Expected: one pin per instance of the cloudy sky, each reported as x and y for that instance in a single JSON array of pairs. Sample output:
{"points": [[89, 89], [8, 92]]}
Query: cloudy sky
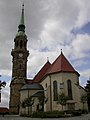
{"points": [[51, 25]]}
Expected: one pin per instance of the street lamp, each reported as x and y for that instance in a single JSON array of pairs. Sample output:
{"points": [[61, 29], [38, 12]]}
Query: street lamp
{"points": [[2, 84]]}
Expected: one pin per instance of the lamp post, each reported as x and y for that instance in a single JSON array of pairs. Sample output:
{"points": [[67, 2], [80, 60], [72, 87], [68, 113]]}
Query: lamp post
{"points": [[2, 84]]}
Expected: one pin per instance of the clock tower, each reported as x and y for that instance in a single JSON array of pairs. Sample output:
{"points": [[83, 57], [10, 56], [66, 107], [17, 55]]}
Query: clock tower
{"points": [[19, 65]]}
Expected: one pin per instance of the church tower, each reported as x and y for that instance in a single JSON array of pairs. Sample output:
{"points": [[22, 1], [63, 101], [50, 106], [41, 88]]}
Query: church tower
{"points": [[19, 65]]}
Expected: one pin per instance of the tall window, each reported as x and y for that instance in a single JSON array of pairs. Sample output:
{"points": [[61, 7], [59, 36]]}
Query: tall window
{"points": [[46, 85], [55, 93], [69, 87], [21, 44], [20, 66], [24, 44], [16, 43]]}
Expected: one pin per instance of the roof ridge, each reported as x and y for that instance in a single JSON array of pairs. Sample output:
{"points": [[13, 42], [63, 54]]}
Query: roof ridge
{"points": [[42, 72]]}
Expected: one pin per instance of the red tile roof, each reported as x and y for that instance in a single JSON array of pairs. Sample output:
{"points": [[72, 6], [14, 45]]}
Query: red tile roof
{"points": [[42, 72], [29, 81], [4, 110], [61, 64]]}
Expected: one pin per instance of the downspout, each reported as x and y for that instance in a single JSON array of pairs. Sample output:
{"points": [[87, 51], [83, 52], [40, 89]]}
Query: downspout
{"points": [[50, 94]]}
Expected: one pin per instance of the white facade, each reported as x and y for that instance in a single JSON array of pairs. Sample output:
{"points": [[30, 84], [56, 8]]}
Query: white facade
{"points": [[61, 79]]}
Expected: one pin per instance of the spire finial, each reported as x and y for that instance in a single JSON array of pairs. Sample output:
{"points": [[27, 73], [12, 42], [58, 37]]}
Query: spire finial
{"points": [[23, 5], [61, 51], [22, 15], [47, 59]]}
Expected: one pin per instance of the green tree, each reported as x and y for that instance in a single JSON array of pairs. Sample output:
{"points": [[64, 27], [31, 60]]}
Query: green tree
{"points": [[87, 87], [28, 102], [42, 99], [83, 100], [2, 84], [62, 99]]}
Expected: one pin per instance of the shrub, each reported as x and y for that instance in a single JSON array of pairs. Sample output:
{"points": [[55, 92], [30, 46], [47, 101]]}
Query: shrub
{"points": [[54, 114], [84, 111], [73, 112], [38, 115], [76, 113]]}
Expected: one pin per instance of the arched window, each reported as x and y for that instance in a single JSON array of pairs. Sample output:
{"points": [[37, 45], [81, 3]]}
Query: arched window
{"points": [[24, 44], [21, 44], [69, 88], [16, 44], [46, 85], [55, 93], [20, 66]]}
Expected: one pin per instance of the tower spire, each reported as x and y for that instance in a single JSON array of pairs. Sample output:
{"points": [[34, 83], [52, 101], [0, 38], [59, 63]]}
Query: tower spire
{"points": [[21, 26], [22, 15]]}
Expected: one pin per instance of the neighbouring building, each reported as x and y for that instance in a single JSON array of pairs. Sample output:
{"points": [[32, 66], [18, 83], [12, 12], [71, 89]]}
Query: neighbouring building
{"points": [[4, 111], [53, 79]]}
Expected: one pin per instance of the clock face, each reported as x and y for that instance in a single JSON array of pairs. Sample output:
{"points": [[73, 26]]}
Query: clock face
{"points": [[20, 55]]}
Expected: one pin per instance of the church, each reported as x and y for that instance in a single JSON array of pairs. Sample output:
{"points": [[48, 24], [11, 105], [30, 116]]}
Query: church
{"points": [[52, 80]]}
